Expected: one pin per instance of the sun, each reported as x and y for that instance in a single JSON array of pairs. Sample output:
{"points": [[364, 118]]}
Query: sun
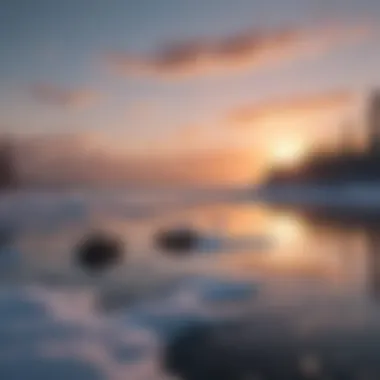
{"points": [[288, 153]]}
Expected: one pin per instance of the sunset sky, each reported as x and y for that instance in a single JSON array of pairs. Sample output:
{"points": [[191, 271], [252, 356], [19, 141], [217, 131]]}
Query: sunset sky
{"points": [[257, 82]]}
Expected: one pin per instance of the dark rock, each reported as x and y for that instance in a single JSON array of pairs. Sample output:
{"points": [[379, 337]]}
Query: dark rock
{"points": [[197, 355], [270, 348], [204, 353], [99, 251], [177, 240]]}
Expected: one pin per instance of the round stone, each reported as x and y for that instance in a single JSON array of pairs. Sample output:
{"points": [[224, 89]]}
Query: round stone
{"points": [[99, 251], [177, 240]]}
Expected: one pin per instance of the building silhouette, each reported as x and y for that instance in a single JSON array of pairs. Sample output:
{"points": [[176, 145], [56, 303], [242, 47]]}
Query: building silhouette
{"points": [[347, 164], [7, 167], [347, 136], [373, 123]]}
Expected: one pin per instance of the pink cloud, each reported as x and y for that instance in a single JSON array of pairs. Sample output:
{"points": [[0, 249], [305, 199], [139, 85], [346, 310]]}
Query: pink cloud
{"points": [[297, 105], [54, 95], [246, 51]]}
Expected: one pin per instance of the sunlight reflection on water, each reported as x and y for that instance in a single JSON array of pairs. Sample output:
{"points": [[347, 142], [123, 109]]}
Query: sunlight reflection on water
{"points": [[317, 274]]}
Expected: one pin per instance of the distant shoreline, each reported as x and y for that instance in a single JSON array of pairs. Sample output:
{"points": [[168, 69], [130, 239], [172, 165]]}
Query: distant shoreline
{"points": [[347, 195]]}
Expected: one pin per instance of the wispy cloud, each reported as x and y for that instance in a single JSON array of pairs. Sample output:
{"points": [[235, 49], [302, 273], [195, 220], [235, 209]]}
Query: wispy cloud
{"points": [[57, 96], [299, 105], [248, 50]]}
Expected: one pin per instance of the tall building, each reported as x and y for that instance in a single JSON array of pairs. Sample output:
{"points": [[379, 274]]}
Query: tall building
{"points": [[347, 137], [374, 123], [7, 169]]}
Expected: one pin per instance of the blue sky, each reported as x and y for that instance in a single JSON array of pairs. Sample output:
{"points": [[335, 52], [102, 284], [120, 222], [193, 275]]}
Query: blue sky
{"points": [[65, 46]]}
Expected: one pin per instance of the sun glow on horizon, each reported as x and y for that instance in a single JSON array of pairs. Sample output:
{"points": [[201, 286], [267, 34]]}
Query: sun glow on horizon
{"points": [[288, 153]]}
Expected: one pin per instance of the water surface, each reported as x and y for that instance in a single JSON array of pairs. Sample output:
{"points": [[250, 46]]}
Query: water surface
{"points": [[312, 277]]}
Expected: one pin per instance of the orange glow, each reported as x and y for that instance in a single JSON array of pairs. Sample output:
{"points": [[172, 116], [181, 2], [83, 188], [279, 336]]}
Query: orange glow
{"points": [[288, 153]]}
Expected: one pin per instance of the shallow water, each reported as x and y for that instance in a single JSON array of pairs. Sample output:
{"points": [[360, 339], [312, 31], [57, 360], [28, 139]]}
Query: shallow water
{"points": [[307, 277]]}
